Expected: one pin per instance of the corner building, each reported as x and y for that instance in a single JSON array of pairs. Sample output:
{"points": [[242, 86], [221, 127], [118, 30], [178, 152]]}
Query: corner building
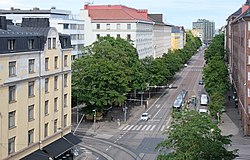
{"points": [[35, 88]]}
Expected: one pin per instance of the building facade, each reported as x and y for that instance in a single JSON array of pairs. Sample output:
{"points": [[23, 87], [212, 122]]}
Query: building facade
{"points": [[62, 20], [35, 87], [207, 27], [175, 38], [238, 50], [119, 21], [161, 35]]}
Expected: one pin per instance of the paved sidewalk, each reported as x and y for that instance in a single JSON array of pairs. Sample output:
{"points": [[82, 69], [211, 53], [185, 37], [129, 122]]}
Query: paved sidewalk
{"points": [[231, 125]]}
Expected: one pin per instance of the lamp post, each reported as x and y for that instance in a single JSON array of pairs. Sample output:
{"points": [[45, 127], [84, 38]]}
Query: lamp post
{"points": [[94, 120], [141, 93], [125, 112]]}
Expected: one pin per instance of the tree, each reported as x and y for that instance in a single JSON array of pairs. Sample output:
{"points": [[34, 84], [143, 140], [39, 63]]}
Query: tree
{"points": [[193, 136]]}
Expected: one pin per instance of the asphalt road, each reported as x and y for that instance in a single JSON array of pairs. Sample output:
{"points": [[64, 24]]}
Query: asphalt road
{"points": [[138, 139]]}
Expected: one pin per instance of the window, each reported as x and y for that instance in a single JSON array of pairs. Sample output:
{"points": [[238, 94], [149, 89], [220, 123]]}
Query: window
{"points": [[31, 89], [98, 26], [81, 37], [31, 66], [12, 69], [81, 26], [30, 136], [31, 113], [56, 62], [65, 80], [55, 82], [108, 35], [65, 100], [249, 60], [65, 60], [49, 43], [54, 43], [31, 44], [65, 42], [12, 94], [11, 145], [128, 26], [12, 119], [249, 76], [128, 37], [55, 125], [11, 44], [46, 108], [46, 85], [108, 26], [65, 120], [55, 104], [118, 36], [46, 64], [118, 26], [73, 36], [72, 26], [248, 92], [46, 130], [97, 36], [65, 26]]}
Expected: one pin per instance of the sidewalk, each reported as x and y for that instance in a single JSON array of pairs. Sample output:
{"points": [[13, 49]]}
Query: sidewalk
{"points": [[231, 125]]}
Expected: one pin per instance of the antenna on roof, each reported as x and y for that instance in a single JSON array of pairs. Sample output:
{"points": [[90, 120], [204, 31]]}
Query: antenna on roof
{"points": [[89, 2]]}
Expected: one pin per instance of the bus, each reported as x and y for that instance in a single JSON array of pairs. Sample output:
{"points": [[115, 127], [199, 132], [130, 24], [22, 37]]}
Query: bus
{"points": [[180, 100]]}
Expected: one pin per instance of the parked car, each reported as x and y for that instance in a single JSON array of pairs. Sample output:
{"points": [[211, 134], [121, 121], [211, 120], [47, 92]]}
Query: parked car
{"points": [[201, 82], [144, 116], [203, 110], [185, 65]]}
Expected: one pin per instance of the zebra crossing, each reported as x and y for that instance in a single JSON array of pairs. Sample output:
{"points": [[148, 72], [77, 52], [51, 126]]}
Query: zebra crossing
{"points": [[193, 69], [149, 128]]}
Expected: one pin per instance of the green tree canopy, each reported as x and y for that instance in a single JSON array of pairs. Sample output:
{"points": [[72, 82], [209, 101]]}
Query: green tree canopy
{"points": [[193, 136]]}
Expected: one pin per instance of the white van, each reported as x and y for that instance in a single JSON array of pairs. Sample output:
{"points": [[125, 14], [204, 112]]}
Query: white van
{"points": [[204, 100]]}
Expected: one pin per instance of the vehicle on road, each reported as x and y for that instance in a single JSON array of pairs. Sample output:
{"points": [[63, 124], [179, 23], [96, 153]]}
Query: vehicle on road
{"points": [[185, 65], [203, 110], [180, 100], [201, 82], [193, 102], [144, 116], [204, 100]]}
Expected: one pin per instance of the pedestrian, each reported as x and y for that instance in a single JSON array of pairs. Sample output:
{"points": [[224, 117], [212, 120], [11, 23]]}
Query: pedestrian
{"points": [[112, 118], [229, 97]]}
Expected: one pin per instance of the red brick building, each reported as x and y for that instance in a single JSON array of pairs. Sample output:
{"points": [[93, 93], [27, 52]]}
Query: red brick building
{"points": [[238, 49]]}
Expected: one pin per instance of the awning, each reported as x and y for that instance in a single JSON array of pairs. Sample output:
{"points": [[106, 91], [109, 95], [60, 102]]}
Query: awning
{"points": [[37, 155], [54, 149], [61, 145]]}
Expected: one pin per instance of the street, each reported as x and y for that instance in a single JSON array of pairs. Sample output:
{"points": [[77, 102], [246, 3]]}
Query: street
{"points": [[137, 139]]}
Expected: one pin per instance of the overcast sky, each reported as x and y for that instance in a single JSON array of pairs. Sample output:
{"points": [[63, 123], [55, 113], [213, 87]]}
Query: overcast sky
{"points": [[177, 12]]}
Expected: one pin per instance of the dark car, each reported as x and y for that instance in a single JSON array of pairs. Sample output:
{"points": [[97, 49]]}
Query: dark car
{"points": [[201, 82]]}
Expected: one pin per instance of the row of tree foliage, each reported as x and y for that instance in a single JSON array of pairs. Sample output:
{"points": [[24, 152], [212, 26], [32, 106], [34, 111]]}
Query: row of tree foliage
{"points": [[194, 136], [215, 75], [111, 69]]}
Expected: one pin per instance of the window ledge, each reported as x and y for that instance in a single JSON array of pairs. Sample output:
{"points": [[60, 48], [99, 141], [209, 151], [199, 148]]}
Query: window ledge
{"points": [[14, 101]]}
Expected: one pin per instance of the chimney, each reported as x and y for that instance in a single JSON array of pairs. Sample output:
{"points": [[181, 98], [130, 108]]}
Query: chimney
{"points": [[3, 24]]}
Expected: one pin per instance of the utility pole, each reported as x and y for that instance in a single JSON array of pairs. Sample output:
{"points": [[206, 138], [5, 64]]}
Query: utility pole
{"points": [[94, 120]]}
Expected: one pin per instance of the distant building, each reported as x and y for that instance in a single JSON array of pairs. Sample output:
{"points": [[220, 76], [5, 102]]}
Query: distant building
{"points": [[161, 35], [207, 27], [237, 45], [62, 20], [197, 33], [119, 21], [178, 37], [35, 87]]}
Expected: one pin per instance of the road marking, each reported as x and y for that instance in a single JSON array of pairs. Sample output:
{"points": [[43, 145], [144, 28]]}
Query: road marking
{"points": [[144, 127], [139, 127], [125, 127], [135, 127], [163, 127], [148, 127], [152, 128], [130, 127], [158, 105], [156, 113]]}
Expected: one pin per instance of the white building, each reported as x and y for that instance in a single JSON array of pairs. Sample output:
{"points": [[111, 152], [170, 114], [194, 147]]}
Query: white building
{"points": [[119, 21], [161, 35], [62, 20]]}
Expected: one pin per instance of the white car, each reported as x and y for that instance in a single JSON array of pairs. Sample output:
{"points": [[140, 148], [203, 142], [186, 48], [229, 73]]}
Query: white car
{"points": [[185, 65], [203, 110], [144, 116]]}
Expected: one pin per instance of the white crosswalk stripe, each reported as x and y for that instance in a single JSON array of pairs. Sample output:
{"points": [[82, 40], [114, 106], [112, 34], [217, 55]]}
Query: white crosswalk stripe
{"points": [[130, 127], [139, 127], [152, 128], [144, 127], [163, 127], [148, 127], [125, 127], [134, 128]]}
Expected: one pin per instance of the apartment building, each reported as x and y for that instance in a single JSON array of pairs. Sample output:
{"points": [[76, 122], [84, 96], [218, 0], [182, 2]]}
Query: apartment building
{"points": [[63, 20], [175, 38], [35, 87], [208, 29], [119, 21], [238, 50], [161, 35]]}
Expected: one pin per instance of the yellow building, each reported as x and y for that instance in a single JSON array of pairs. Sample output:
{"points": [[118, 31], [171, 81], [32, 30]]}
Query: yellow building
{"points": [[175, 41], [35, 91]]}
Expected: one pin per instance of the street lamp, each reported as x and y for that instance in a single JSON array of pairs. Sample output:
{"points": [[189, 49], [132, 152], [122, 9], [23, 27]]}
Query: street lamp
{"points": [[94, 120], [125, 112], [141, 93]]}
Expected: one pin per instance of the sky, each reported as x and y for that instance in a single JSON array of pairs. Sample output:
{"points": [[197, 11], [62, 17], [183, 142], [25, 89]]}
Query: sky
{"points": [[176, 12]]}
